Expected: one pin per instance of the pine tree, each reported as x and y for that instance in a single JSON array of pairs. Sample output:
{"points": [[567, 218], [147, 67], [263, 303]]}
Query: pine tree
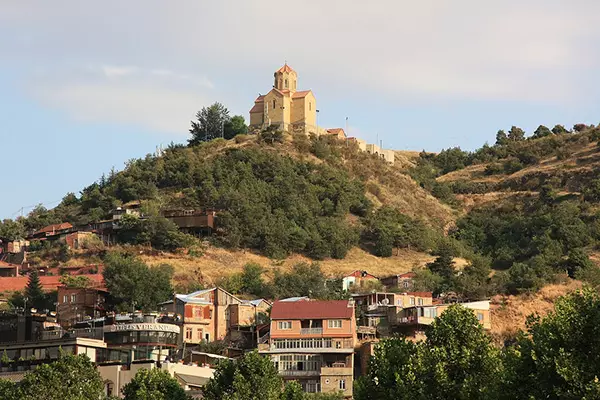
{"points": [[33, 291]]}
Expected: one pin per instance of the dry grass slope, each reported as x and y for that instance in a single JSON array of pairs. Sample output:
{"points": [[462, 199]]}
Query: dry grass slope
{"points": [[509, 313]]}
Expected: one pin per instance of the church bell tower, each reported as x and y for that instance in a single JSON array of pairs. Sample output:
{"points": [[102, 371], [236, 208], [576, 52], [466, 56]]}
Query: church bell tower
{"points": [[286, 79]]}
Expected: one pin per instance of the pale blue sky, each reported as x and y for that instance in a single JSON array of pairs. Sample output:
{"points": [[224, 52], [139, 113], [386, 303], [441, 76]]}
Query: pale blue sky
{"points": [[84, 86]]}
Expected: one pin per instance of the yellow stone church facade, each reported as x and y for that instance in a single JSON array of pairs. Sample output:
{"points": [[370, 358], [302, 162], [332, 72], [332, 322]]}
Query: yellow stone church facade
{"points": [[284, 106]]}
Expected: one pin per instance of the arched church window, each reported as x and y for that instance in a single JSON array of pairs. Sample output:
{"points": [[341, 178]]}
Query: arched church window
{"points": [[273, 103], [309, 106], [286, 83]]}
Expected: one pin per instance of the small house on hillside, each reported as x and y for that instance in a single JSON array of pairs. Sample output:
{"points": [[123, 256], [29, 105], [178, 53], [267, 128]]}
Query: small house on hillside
{"points": [[357, 278]]}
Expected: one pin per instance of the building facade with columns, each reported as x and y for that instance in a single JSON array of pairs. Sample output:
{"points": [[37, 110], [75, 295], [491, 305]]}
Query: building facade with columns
{"points": [[285, 106]]}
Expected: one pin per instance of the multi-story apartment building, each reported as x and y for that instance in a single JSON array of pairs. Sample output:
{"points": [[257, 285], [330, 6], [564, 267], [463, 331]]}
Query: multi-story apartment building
{"points": [[373, 309], [411, 321], [313, 343], [209, 314]]}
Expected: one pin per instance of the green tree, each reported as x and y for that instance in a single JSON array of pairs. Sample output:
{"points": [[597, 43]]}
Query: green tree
{"points": [[541, 131], [501, 138], [293, 391], [11, 229], [395, 372], [559, 357], [154, 384], [443, 266], [209, 124], [33, 291], [516, 134], [236, 125], [133, 285], [303, 280], [252, 280], [459, 358], [591, 192], [70, 377], [251, 377], [559, 130], [8, 390]]}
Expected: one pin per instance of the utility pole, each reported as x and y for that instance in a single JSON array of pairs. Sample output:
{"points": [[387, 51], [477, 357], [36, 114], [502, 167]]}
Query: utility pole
{"points": [[317, 121]]}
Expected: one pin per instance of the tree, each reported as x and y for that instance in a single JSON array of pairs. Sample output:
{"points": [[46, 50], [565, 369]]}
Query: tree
{"points": [[501, 138], [516, 134], [154, 384], [33, 291], [11, 229], [251, 377], [9, 390], [252, 280], [72, 377], [560, 354], [209, 124], [394, 372], [235, 126], [443, 266], [541, 131], [559, 130], [293, 391], [459, 358], [133, 285]]}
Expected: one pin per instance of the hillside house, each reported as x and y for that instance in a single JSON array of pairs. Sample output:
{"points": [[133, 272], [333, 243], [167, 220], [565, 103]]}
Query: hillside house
{"points": [[209, 314], [199, 222], [411, 321], [404, 281], [373, 310], [77, 304], [357, 279], [313, 343]]}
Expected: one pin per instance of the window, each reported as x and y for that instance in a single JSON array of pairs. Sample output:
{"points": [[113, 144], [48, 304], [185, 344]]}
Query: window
{"points": [[285, 325], [309, 106], [406, 284], [480, 316], [73, 298], [188, 333], [286, 83], [399, 302], [429, 312], [199, 334], [209, 314], [273, 104], [334, 323], [420, 301], [342, 384], [412, 301], [65, 299], [207, 337]]}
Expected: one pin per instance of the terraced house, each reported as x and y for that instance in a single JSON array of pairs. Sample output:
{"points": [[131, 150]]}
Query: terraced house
{"points": [[313, 343]]}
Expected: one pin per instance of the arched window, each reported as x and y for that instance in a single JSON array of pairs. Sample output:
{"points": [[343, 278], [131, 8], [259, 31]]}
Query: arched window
{"points": [[286, 83], [294, 84], [309, 106], [273, 104]]}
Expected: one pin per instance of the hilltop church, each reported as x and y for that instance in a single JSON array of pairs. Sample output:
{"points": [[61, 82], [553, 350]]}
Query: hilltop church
{"points": [[284, 106]]}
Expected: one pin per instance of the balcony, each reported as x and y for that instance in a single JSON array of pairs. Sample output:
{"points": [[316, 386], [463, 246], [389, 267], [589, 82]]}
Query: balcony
{"points": [[296, 373], [311, 331], [337, 371]]}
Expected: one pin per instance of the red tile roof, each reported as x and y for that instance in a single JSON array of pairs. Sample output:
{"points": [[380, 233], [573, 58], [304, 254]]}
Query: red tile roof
{"points": [[312, 309], [285, 68], [258, 108], [260, 99], [336, 131], [55, 227], [48, 283], [300, 94]]}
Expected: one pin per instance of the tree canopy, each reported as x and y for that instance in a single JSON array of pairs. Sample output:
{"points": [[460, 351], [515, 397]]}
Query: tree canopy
{"points": [[134, 285], [154, 384]]}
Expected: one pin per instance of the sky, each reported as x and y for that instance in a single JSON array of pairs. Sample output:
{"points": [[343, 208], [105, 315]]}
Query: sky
{"points": [[86, 86]]}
